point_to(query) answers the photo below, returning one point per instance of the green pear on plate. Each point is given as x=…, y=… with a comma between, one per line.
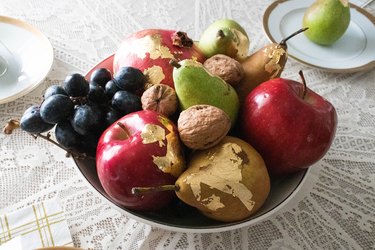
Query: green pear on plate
x=327, y=21
x=195, y=85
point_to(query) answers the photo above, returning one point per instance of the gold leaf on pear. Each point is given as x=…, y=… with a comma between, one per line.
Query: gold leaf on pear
x=274, y=54
x=222, y=171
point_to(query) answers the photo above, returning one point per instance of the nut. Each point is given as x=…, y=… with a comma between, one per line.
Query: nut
x=160, y=98
x=203, y=126
x=225, y=67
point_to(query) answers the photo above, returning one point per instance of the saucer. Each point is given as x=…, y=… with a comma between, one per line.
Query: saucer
x=354, y=51
x=29, y=57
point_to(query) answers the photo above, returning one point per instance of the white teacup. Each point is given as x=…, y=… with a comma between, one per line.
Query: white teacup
x=9, y=66
x=3, y=66
x=4, y=54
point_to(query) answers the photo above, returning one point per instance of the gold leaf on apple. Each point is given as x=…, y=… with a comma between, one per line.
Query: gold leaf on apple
x=153, y=133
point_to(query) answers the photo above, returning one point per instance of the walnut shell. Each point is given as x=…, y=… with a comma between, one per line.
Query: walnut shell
x=203, y=126
x=225, y=67
x=160, y=98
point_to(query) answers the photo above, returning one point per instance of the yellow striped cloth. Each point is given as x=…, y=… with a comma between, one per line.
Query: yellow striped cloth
x=39, y=225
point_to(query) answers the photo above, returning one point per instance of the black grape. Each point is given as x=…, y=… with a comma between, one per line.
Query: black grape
x=129, y=78
x=76, y=85
x=56, y=108
x=89, y=143
x=111, y=116
x=111, y=89
x=53, y=90
x=125, y=102
x=86, y=119
x=67, y=136
x=101, y=76
x=32, y=122
x=96, y=93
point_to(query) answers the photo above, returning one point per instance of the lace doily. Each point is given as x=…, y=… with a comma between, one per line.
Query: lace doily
x=335, y=208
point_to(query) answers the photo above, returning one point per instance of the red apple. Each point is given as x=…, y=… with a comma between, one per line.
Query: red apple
x=151, y=50
x=290, y=125
x=140, y=149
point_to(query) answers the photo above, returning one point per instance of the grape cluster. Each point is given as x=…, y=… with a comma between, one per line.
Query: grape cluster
x=80, y=109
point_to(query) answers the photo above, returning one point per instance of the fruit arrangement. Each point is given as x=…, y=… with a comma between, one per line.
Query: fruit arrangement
x=202, y=122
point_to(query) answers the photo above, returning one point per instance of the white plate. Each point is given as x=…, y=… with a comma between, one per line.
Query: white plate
x=30, y=61
x=354, y=51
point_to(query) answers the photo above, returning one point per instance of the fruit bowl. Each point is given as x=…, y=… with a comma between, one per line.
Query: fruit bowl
x=178, y=216
x=183, y=218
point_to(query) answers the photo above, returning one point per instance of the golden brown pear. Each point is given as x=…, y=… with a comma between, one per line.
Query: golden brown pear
x=265, y=64
x=228, y=182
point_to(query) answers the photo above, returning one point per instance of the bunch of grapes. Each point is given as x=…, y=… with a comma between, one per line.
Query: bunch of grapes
x=80, y=110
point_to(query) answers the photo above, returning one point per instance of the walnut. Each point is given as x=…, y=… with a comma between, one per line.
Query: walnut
x=225, y=67
x=160, y=98
x=203, y=126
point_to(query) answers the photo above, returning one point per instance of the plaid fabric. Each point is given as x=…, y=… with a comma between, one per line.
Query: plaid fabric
x=39, y=225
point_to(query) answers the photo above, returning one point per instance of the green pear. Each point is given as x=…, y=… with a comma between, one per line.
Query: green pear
x=225, y=36
x=327, y=21
x=195, y=85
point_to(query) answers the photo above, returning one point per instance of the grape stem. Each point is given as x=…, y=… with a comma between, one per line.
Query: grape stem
x=79, y=100
x=69, y=153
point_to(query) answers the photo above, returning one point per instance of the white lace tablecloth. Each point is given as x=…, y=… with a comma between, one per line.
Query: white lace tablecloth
x=335, y=208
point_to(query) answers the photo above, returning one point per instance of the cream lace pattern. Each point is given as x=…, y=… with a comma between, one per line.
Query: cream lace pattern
x=335, y=208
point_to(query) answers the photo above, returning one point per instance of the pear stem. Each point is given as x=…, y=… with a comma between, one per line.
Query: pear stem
x=174, y=63
x=283, y=42
x=145, y=190
x=220, y=34
x=121, y=125
x=304, y=88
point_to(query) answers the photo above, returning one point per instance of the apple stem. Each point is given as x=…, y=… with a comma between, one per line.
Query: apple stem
x=304, y=84
x=174, y=63
x=144, y=190
x=121, y=125
x=283, y=42
x=220, y=34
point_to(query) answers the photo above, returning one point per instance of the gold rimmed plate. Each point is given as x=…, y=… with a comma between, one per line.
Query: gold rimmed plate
x=354, y=51
x=29, y=58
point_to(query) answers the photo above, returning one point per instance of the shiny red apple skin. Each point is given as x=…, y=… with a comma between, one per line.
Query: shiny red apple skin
x=124, y=161
x=151, y=50
x=290, y=132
